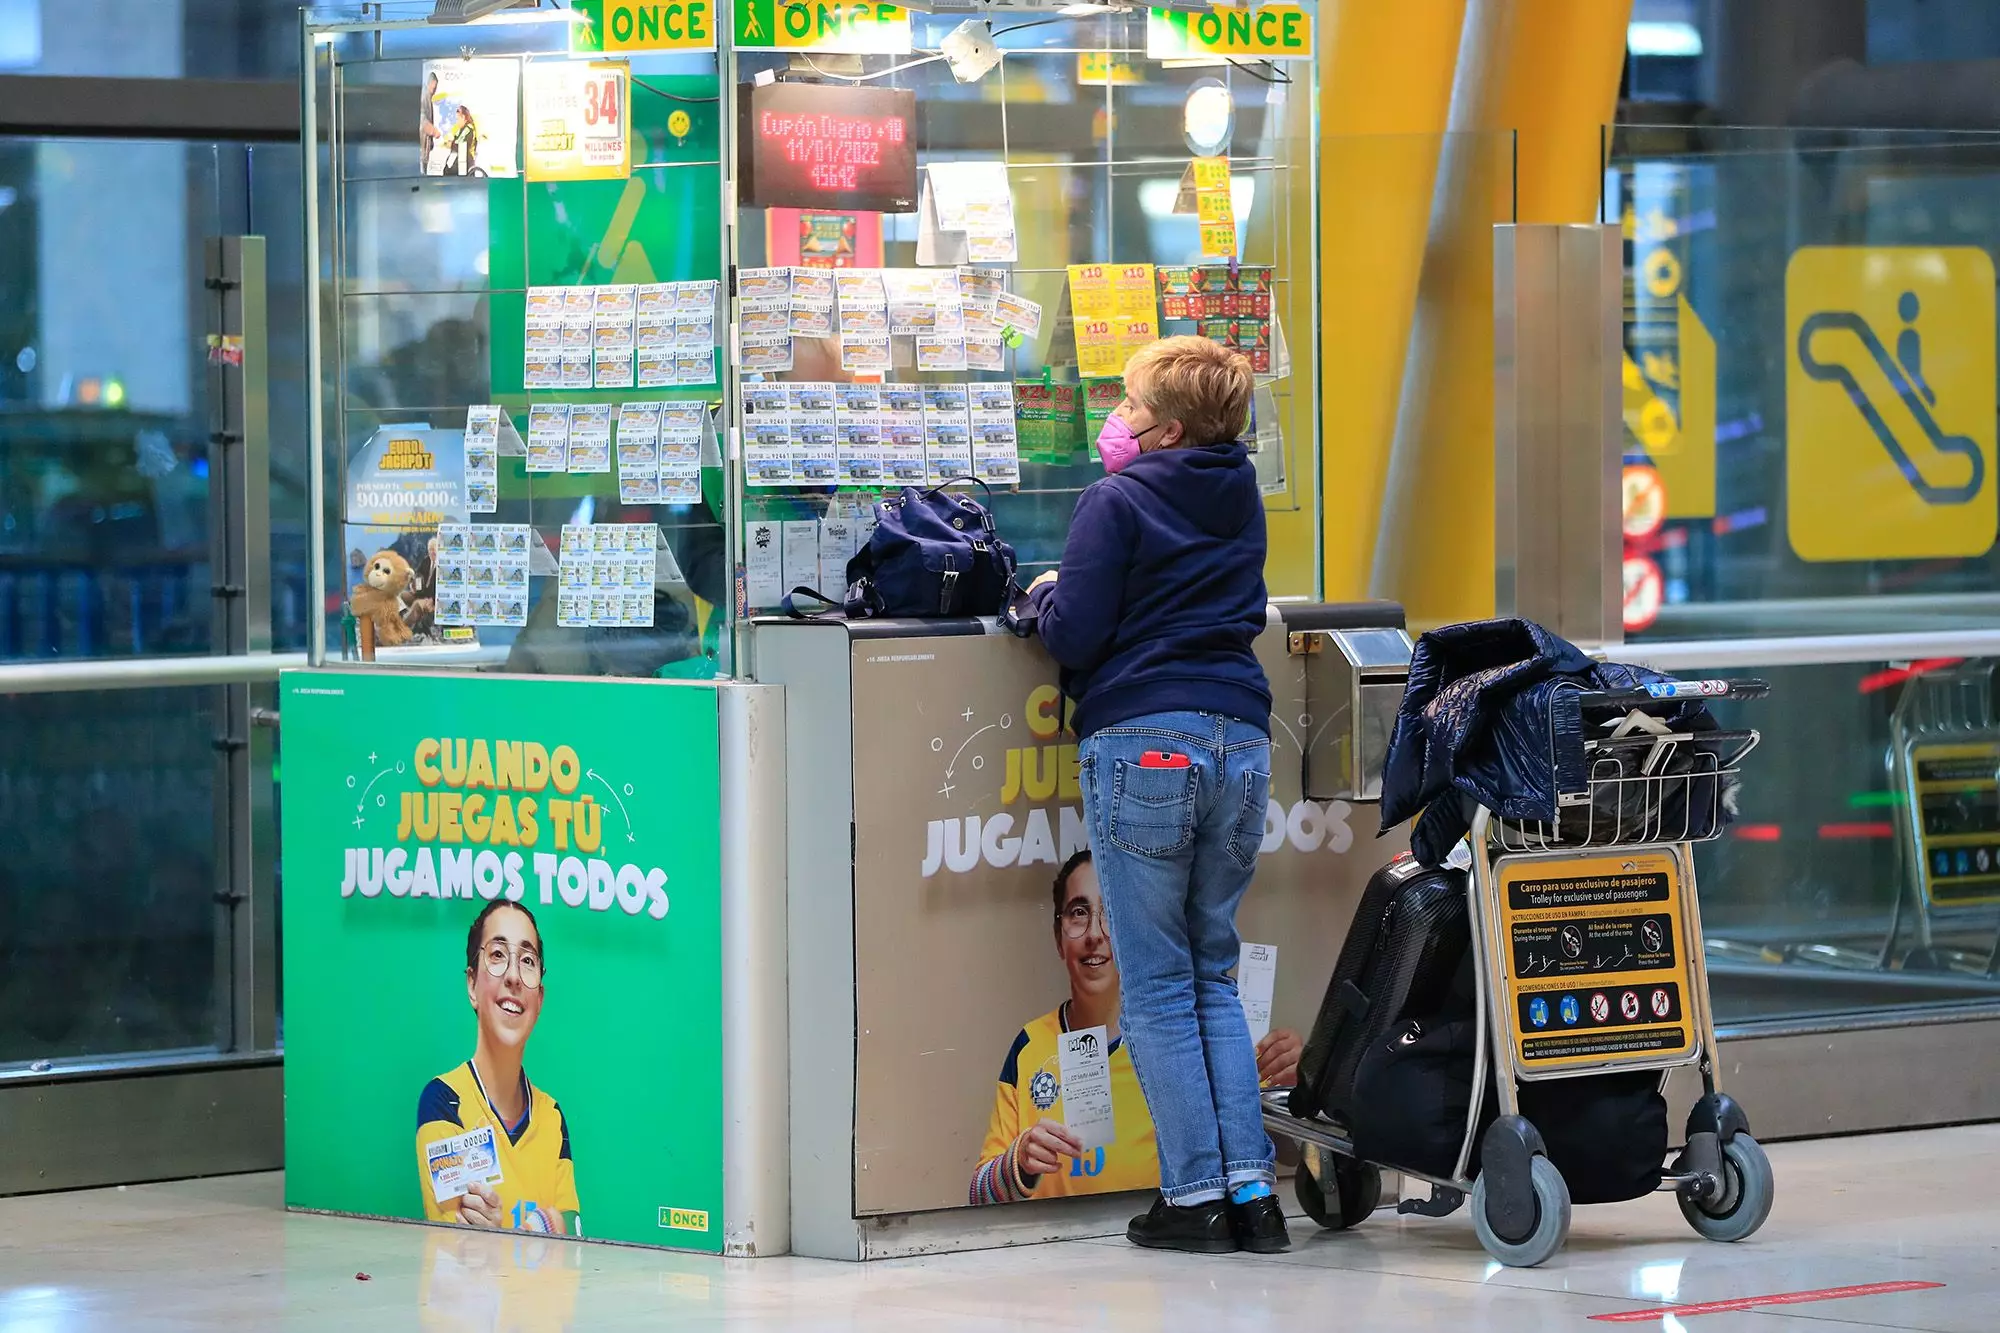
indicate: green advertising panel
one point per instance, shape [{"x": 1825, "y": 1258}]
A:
[{"x": 503, "y": 989}]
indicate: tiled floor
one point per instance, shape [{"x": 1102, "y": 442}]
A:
[{"x": 221, "y": 1254}]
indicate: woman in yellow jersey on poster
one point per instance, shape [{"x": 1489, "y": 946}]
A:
[
  {"x": 1029, "y": 1153},
  {"x": 493, "y": 1149}
]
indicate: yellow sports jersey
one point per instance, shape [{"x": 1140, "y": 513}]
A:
[
  {"x": 1030, "y": 1090},
  {"x": 456, "y": 1124}
]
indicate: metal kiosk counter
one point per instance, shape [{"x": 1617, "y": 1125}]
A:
[{"x": 932, "y": 796}]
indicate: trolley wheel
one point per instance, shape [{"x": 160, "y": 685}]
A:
[
  {"x": 1357, "y": 1191},
  {"x": 1551, "y": 1219},
  {"x": 1748, "y": 1189}
]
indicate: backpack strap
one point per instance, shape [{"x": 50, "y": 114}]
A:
[{"x": 792, "y": 609}]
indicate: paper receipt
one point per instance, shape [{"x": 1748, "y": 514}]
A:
[
  {"x": 1084, "y": 1057},
  {"x": 1256, "y": 979},
  {"x": 460, "y": 1162}
]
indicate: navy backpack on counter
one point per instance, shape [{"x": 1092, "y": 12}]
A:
[{"x": 933, "y": 554}]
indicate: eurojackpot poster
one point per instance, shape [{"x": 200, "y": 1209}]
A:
[{"x": 503, "y": 954}]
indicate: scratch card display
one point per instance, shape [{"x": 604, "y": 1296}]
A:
[
  {"x": 606, "y": 575},
  {"x": 548, "y": 437},
  {"x": 966, "y": 213},
  {"x": 639, "y": 453},
  {"x": 683, "y": 427},
  {"x": 903, "y": 434},
  {"x": 767, "y": 434},
  {"x": 590, "y": 437},
  {"x": 609, "y": 337},
  {"x": 947, "y": 433},
  {"x": 996, "y": 453},
  {"x": 1116, "y": 311},
  {"x": 863, "y": 320},
  {"x": 815, "y": 435},
  {"x": 482, "y": 459},
  {"x": 482, "y": 574},
  {"x": 859, "y": 418}
]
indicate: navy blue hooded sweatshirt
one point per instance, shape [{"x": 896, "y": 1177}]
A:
[{"x": 1162, "y": 591}]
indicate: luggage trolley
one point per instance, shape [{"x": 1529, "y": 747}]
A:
[{"x": 1587, "y": 950}]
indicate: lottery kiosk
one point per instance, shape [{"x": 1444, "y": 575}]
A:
[
  {"x": 532, "y": 837},
  {"x": 951, "y": 230},
  {"x": 626, "y": 314}
]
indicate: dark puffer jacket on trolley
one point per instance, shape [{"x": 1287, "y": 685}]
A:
[{"x": 1490, "y": 717}]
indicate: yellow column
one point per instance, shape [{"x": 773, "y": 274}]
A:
[
  {"x": 1385, "y": 75},
  {"x": 1547, "y": 70}
]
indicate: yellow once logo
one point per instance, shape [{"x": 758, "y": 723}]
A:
[
  {"x": 1267, "y": 32},
  {"x": 684, "y": 1219},
  {"x": 1889, "y": 402}
]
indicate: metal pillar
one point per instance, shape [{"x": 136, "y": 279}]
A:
[{"x": 240, "y": 562}]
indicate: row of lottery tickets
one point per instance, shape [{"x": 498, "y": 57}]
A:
[
  {"x": 1117, "y": 308},
  {"x": 482, "y": 458},
  {"x": 621, "y": 336},
  {"x": 813, "y": 433},
  {"x": 657, "y": 446},
  {"x": 607, "y": 575},
  {"x": 960, "y": 318},
  {"x": 482, "y": 573}
]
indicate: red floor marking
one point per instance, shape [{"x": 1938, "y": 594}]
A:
[
  {"x": 1883, "y": 830},
  {"x": 1752, "y": 1302}
]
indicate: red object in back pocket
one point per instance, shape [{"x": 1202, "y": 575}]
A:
[{"x": 1161, "y": 759}]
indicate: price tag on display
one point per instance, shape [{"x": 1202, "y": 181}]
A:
[
  {"x": 579, "y": 120},
  {"x": 1644, "y": 591},
  {"x": 1645, "y": 501}
]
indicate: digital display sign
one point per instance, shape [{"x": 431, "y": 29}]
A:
[{"x": 805, "y": 145}]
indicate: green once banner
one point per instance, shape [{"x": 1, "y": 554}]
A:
[{"x": 561, "y": 1070}]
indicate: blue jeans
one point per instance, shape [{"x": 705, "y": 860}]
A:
[{"x": 1175, "y": 849}]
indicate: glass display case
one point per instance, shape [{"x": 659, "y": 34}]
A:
[{"x": 627, "y": 313}]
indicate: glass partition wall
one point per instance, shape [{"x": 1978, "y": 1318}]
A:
[
  {"x": 1070, "y": 136},
  {"x": 1810, "y": 389}
]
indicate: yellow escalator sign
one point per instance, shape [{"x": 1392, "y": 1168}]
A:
[{"x": 1889, "y": 402}]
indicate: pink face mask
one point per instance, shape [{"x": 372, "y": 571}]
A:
[{"x": 1117, "y": 445}]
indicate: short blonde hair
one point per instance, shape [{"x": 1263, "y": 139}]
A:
[{"x": 1195, "y": 381}]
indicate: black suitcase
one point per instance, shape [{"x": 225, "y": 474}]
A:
[
  {"x": 1404, "y": 948},
  {"x": 1606, "y": 1133}
]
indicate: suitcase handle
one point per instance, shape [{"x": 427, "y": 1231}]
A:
[{"x": 1674, "y": 692}]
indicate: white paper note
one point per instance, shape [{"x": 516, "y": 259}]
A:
[
  {"x": 763, "y": 565},
  {"x": 1256, "y": 979},
  {"x": 1085, "y": 1069},
  {"x": 801, "y": 553}
]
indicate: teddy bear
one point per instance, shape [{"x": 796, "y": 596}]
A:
[{"x": 378, "y": 597}]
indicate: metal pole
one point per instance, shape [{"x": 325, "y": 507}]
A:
[
  {"x": 315, "y": 389},
  {"x": 239, "y": 480}
]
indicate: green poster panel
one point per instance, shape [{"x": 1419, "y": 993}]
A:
[
  {"x": 662, "y": 225},
  {"x": 579, "y": 1087}
]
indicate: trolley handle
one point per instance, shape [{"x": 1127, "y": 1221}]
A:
[{"x": 1675, "y": 691}]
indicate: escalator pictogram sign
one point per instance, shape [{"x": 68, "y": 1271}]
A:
[{"x": 1889, "y": 399}]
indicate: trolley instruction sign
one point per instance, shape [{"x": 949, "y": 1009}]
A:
[{"x": 1597, "y": 971}]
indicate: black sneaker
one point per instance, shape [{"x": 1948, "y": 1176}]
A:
[
  {"x": 1202, "y": 1229},
  {"x": 1260, "y": 1225}
]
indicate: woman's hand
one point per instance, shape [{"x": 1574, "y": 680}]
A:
[
  {"x": 479, "y": 1206},
  {"x": 1278, "y": 1058},
  {"x": 1046, "y": 576},
  {"x": 1041, "y": 1148}
]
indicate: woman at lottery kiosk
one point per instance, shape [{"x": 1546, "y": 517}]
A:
[
  {"x": 1152, "y": 616},
  {"x": 492, "y": 1148}
]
